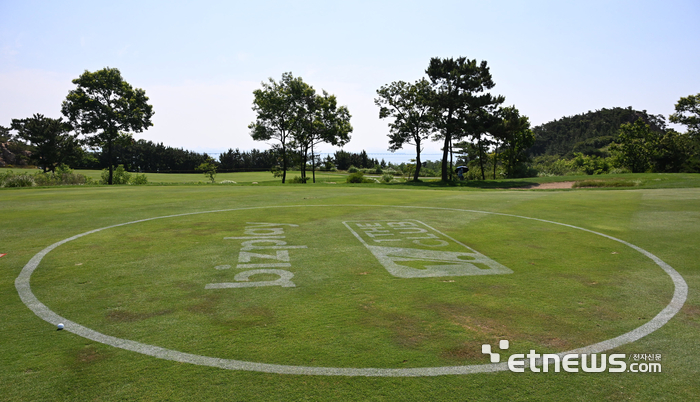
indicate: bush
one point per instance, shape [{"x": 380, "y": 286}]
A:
[
  {"x": 62, "y": 176},
  {"x": 387, "y": 178},
  {"x": 56, "y": 179},
  {"x": 139, "y": 179},
  {"x": 297, "y": 180},
  {"x": 353, "y": 169},
  {"x": 119, "y": 176},
  {"x": 4, "y": 177},
  {"x": 357, "y": 177},
  {"x": 521, "y": 170},
  {"x": 427, "y": 172},
  {"x": 18, "y": 180},
  {"x": 551, "y": 165},
  {"x": 590, "y": 164}
]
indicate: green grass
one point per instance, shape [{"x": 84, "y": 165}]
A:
[
  {"x": 640, "y": 180},
  {"x": 145, "y": 282},
  {"x": 198, "y": 178}
]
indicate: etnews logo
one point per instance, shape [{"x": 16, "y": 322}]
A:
[{"x": 573, "y": 362}]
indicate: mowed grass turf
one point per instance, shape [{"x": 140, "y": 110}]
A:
[
  {"x": 146, "y": 282},
  {"x": 190, "y": 178},
  {"x": 265, "y": 178}
]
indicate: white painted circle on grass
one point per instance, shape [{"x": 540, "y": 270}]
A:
[{"x": 22, "y": 284}]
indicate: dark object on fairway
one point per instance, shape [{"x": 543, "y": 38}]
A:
[{"x": 461, "y": 170}]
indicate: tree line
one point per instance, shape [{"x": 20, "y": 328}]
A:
[{"x": 452, "y": 105}]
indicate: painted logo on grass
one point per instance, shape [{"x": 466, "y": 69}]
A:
[
  {"x": 412, "y": 249},
  {"x": 263, "y": 251}
]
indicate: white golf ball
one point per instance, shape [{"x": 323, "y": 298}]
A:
[{"x": 60, "y": 326}]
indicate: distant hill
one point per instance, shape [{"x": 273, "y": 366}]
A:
[{"x": 586, "y": 133}]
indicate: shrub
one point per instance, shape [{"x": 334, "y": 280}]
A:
[
  {"x": 119, "y": 176},
  {"x": 19, "y": 180},
  {"x": 139, "y": 179},
  {"x": 55, "y": 179},
  {"x": 590, "y": 164},
  {"x": 427, "y": 172},
  {"x": 520, "y": 170},
  {"x": 63, "y": 169},
  {"x": 61, "y": 177},
  {"x": 387, "y": 178},
  {"x": 357, "y": 177},
  {"x": 4, "y": 177},
  {"x": 297, "y": 180},
  {"x": 353, "y": 169},
  {"x": 551, "y": 165}
]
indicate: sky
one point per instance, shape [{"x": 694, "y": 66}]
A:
[{"x": 199, "y": 62}]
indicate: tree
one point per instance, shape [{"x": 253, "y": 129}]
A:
[
  {"x": 409, "y": 106},
  {"x": 104, "y": 105},
  {"x": 331, "y": 124},
  {"x": 50, "y": 141},
  {"x": 478, "y": 123},
  {"x": 516, "y": 138},
  {"x": 688, "y": 114},
  {"x": 5, "y": 134},
  {"x": 275, "y": 112},
  {"x": 456, "y": 86},
  {"x": 292, "y": 113},
  {"x": 208, "y": 168},
  {"x": 675, "y": 153},
  {"x": 636, "y": 146},
  {"x": 318, "y": 119},
  {"x": 302, "y": 97}
]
